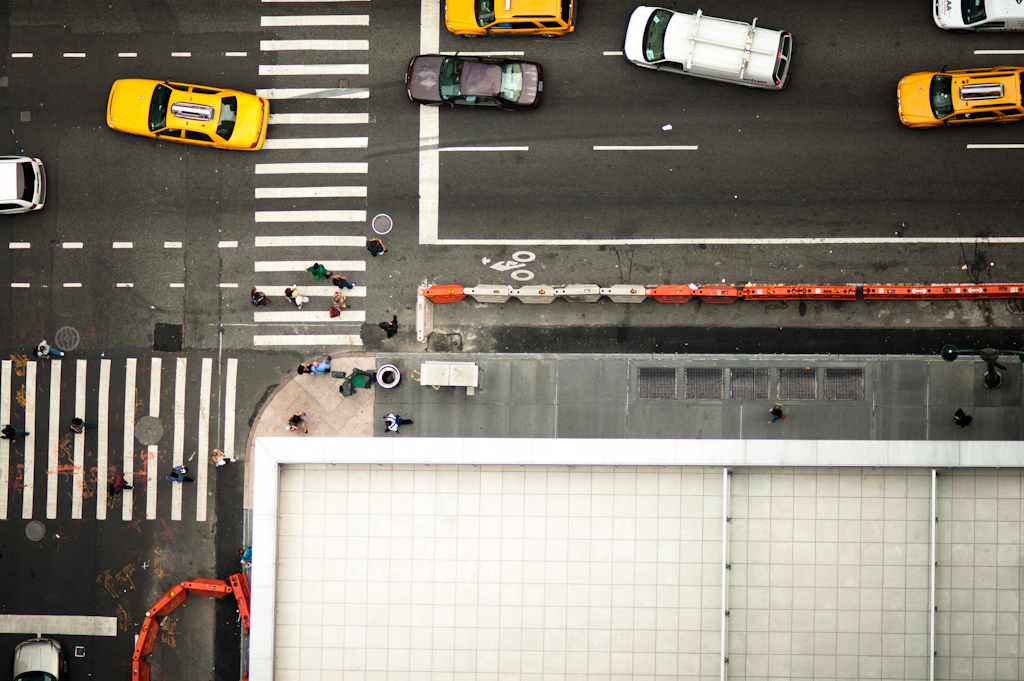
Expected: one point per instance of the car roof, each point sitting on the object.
(1008, 77)
(526, 9)
(8, 180)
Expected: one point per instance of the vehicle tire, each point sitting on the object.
(959, 31)
(467, 36)
(548, 35)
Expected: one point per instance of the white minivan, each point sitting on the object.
(978, 15)
(706, 47)
(22, 184)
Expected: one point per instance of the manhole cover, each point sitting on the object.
(149, 430)
(35, 530)
(1015, 305)
(168, 337)
(382, 223)
(66, 338)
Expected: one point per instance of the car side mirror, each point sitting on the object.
(944, 67)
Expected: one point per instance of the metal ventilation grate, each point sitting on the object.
(656, 383)
(798, 384)
(844, 384)
(705, 384)
(749, 384)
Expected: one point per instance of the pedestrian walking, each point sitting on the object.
(340, 281)
(315, 367)
(376, 247)
(118, 484)
(222, 458)
(318, 271)
(245, 556)
(293, 294)
(962, 419)
(78, 425)
(339, 302)
(297, 421)
(776, 413)
(392, 422)
(178, 475)
(259, 298)
(9, 432)
(44, 350)
(391, 327)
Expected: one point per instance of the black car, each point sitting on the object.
(474, 81)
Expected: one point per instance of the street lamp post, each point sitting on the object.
(989, 355)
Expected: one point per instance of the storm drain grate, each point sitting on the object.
(656, 383)
(705, 384)
(844, 384)
(748, 384)
(798, 384)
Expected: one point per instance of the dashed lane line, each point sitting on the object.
(16, 245)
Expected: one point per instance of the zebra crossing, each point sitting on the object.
(312, 174)
(77, 469)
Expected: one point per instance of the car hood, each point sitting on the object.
(915, 97)
(128, 105)
(37, 655)
(480, 80)
(424, 74)
(948, 14)
(250, 121)
(461, 15)
(531, 77)
(633, 46)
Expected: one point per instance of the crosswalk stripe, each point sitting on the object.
(29, 473)
(53, 452)
(301, 265)
(319, 118)
(178, 456)
(77, 473)
(203, 459)
(278, 241)
(314, 93)
(330, 340)
(317, 291)
(310, 192)
(313, 70)
(5, 445)
(309, 168)
(128, 457)
(312, 316)
(102, 439)
(317, 20)
(311, 216)
(316, 143)
(152, 451)
(331, 45)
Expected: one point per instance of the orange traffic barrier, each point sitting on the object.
(944, 292)
(670, 294)
(718, 294)
(762, 293)
(443, 294)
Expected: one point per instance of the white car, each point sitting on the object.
(22, 184)
(39, 659)
(978, 15)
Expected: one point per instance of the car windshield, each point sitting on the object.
(35, 676)
(158, 108)
(941, 95)
(974, 11)
(228, 109)
(451, 69)
(654, 42)
(484, 12)
(511, 82)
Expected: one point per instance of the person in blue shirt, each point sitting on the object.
(315, 367)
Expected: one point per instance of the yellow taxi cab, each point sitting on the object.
(930, 99)
(547, 18)
(192, 114)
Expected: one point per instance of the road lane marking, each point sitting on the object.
(226, 285)
(279, 241)
(309, 317)
(317, 291)
(647, 147)
(178, 455)
(227, 244)
(315, 93)
(612, 53)
(309, 168)
(152, 451)
(203, 456)
(483, 54)
(5, 444)
(74, 55)
(72, 244)
(61, 625)
(177, 285)
(430, 172)
(329, 45)
(14, 245)
(20, 284)
(29, 489)
(236, 54)
(999, 52)
(313, 70)
(123, 244)
(77, 472)
(310, 192)
(785, 241)
(122, 284)
(995, 146)
(319, 118)
(128, 55)
(181, 54)
(311, 216)
(128, 451)
(102, 439)
(484, 149)
(316, 143)
(328, 340)
(53, 450)
(72, 284)
(172, 244)
(317, 20)
(21, 55)
(301, 265)
(230, 388)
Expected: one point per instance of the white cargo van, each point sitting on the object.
(22, 184)
(978, 15)
(719, 49)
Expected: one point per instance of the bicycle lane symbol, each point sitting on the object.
(515, 266)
